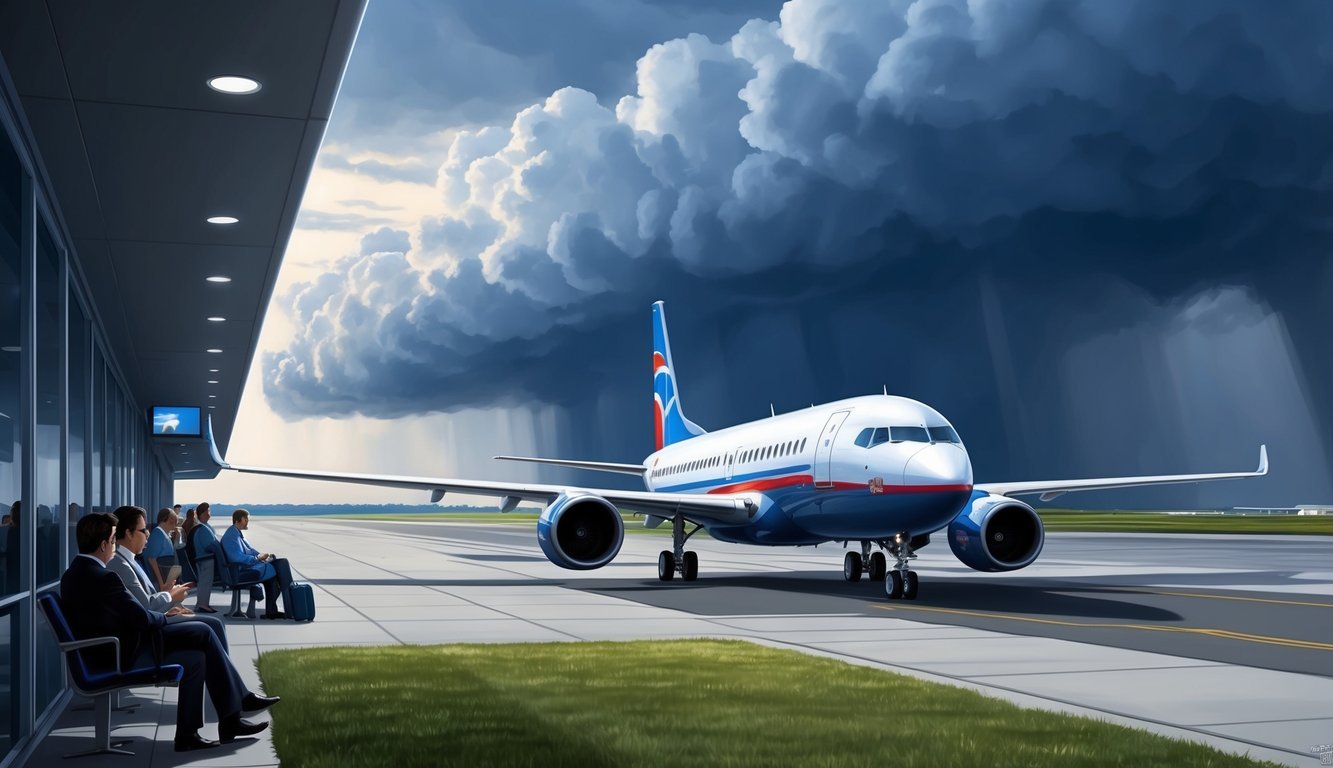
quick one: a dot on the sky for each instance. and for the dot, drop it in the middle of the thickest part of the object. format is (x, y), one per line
(1094, 235)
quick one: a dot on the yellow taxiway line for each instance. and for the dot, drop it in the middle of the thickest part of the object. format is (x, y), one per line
(1225, 634)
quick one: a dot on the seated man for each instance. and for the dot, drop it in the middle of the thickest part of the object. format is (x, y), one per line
(160, 553)
(131, 535)
(97, 604)
(274, 571)
(204, 545)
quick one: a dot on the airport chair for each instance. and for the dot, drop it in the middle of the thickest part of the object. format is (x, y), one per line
(238, 576)
(99, 686)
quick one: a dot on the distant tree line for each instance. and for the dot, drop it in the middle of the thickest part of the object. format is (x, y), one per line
(223, 511)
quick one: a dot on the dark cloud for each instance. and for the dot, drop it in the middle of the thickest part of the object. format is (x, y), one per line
(423, 65)
(1093, 234)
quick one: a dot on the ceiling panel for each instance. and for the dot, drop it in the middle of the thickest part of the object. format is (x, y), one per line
(161, 172)
(56, 121)
(161, 52)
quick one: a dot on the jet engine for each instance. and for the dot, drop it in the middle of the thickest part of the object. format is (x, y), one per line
(580, 532)
(996, 533)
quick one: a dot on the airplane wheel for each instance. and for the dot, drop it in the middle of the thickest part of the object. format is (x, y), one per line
(910, 584)
(666, 566)
(851, 566)
(878, 566)
(691, 566)
(893, 585)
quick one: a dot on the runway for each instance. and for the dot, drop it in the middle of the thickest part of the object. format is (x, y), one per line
(1258, 602)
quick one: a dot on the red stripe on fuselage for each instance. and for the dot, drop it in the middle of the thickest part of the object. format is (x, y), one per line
(766, 484)
(771, 483)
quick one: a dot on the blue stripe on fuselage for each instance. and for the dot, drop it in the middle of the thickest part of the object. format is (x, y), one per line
(734, 479)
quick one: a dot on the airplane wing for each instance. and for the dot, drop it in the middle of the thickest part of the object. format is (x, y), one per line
(596, 466)
(1050, 489)
(731, 508)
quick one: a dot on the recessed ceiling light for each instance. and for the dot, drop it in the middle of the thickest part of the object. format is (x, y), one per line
(211, 407)
(213, 396)
(222, 219)
(212, 381)
(212, 370)
(213, 351)
(218, 279)
(217, 319)
(11, 349)
(234, 85)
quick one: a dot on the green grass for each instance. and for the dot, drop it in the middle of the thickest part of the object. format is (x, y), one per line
(673, 703)
(1158, 522)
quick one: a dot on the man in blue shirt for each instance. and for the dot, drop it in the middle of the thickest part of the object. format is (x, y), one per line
(275, 572)
(160, 554)
(205, 544)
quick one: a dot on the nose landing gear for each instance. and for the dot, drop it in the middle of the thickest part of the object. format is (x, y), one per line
(901, 582)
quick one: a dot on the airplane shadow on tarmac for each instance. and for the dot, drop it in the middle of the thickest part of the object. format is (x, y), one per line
(809, 593)
(804, 593)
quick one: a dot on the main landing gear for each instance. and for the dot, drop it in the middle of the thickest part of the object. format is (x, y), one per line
(856, 562)
(677, 560)
(899, 582)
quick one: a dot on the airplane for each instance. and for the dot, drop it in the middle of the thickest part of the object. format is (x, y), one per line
(883, 471)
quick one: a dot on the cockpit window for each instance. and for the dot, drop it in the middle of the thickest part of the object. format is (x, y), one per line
(863, 439)
(943, 434)
(909, 434)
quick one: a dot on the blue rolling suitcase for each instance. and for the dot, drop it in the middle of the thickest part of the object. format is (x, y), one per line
(303, 602)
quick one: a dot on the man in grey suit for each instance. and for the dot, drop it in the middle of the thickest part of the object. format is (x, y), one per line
(130, 541)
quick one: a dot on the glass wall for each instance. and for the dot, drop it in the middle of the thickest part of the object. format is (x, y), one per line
(50, 407)
(47, 515)
(78, 385)
(71, 438)
(11, 415)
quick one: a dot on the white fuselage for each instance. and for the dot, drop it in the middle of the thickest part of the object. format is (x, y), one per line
(824, 476)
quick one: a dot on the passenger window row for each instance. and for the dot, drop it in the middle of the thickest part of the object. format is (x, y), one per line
(755, 454)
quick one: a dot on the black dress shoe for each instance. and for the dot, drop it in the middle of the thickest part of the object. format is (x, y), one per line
(253, 702)
(193, 741)
(232, 726)
(275, 615)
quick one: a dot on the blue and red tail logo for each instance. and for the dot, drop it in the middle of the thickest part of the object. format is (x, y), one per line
(669, 422)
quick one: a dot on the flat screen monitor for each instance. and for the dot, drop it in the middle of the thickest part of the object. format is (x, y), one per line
(180, 420)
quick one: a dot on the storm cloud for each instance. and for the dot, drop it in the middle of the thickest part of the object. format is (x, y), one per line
(1093, 234)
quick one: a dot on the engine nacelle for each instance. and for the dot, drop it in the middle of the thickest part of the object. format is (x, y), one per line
(996, 533)
(580, 532)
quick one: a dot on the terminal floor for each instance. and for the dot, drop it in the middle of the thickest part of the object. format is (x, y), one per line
(1220, 639)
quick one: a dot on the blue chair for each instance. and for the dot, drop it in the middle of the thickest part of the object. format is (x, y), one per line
(238, 576)
(99, 685)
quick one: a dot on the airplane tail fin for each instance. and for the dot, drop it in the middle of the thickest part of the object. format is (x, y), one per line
(669, 420)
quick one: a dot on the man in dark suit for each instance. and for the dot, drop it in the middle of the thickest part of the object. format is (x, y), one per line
(97, 604)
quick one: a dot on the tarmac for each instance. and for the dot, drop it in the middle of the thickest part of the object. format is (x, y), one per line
(1222, 640)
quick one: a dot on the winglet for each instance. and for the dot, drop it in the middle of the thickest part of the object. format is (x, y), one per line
(212, 446)
(1263, 460)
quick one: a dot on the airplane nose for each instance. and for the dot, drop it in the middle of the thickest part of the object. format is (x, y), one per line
(938, 464)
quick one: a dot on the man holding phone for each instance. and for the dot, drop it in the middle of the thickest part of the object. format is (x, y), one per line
(131, 537)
